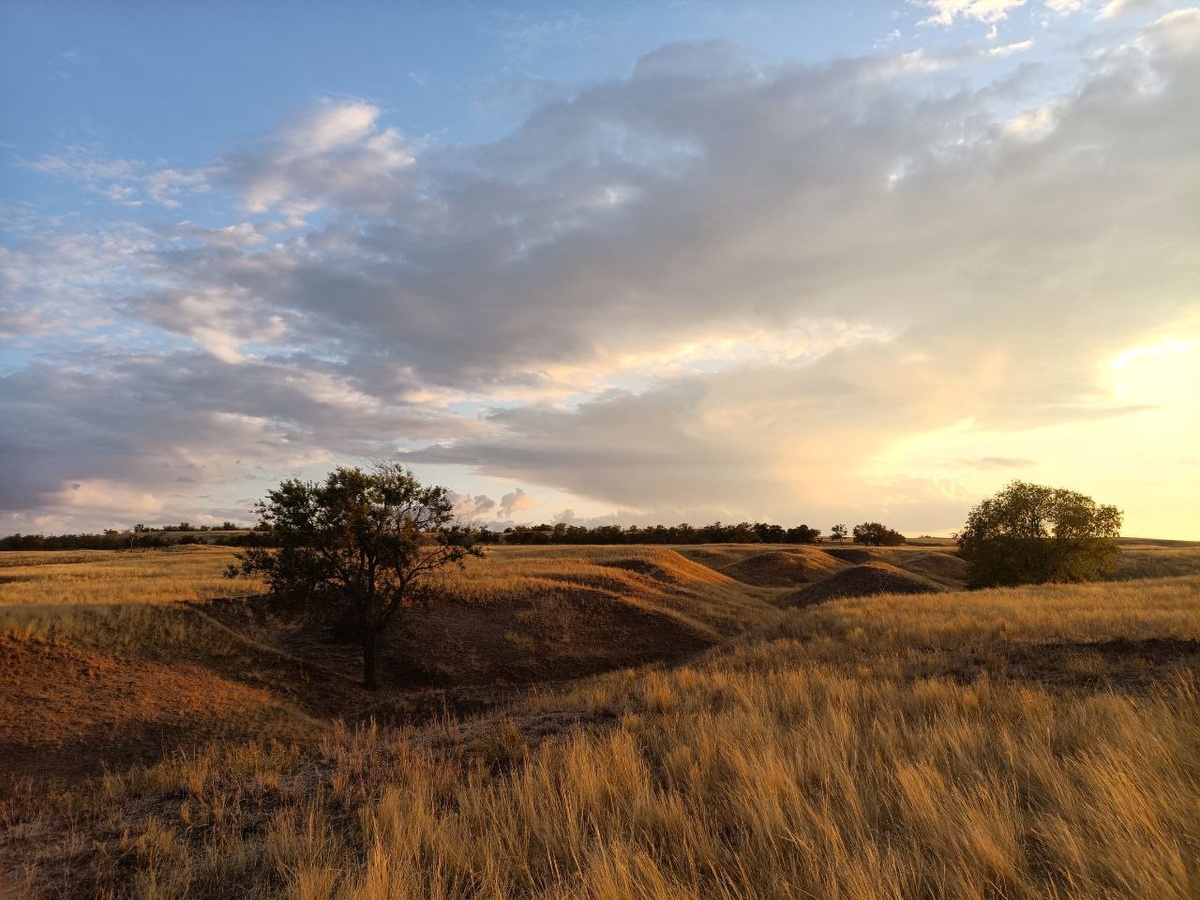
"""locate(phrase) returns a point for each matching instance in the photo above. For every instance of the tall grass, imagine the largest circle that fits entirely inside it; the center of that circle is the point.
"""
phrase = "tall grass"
(813, 760)
(75, 578)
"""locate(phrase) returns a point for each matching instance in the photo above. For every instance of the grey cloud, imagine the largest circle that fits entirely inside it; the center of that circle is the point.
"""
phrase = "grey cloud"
(679, 201)
(1006, 244)
(162, 419)
(470, 507)
(518, 95)
(784, 442)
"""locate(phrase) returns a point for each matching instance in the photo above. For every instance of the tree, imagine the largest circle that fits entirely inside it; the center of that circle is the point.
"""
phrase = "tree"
(1030, 534)
(373, 543)
(838, 533)
(802, 534)
(873, 533)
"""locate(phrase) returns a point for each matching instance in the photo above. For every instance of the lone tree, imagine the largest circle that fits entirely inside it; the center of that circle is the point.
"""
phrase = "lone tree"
(838, 533)
(1030, 534)
(372, 542)
(873, 533)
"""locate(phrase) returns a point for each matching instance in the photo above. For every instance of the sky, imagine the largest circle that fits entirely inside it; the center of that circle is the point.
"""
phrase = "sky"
(601, 262)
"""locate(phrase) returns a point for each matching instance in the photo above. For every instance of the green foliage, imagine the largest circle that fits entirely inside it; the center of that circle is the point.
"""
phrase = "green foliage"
(1030, 534)
(877, 535)
(372, 542)
(838, 533)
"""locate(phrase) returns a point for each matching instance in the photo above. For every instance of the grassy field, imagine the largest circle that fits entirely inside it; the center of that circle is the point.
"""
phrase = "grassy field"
(1037, 742)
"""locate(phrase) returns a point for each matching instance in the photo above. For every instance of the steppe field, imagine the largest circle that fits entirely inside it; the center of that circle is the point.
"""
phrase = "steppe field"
(708, 721)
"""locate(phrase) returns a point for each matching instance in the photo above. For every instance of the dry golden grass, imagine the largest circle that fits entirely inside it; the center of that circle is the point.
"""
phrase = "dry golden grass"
(903, 747)
(94, 596)
(126, 603)
(654, 578)
(103, 599)
(1133, 610)
(1145, 560)
(78, 577)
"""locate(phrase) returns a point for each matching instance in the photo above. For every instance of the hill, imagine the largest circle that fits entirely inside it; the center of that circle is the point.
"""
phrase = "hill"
(862, 581)
(1017, 743)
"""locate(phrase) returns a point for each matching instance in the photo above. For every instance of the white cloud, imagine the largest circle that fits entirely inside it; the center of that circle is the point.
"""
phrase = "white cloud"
(126, 182)
(334, 153)
(98, 495)
(1033, 124)
(1010, 49)
(515, 501)
(946, 12)
(1116, 8)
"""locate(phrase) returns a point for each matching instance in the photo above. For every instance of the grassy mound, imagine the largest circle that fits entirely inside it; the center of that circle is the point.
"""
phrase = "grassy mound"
(69, 712)
(785, 568)
(863, 581)
(944, 568)
(855, 555)
(525, 615)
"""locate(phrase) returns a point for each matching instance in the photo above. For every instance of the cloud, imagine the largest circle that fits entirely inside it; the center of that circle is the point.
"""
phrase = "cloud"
(180, 424)
(946, 12)
(715, 288)
(1010, 49)
(1116, 8)
(472, 508)
(332, 153)
(514, 502)
(125, 182)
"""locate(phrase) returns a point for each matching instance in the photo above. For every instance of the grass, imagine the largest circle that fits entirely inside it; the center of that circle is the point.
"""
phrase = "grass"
(1146, 560)
(652, 578)
(1035, 742)
(81, 577)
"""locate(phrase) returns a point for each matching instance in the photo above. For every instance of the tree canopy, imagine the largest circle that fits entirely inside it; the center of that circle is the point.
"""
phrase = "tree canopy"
(374, 542)
(875, 534)
(1030, 534)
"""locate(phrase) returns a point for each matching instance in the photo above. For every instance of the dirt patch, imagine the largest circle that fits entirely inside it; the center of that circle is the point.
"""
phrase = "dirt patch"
(862, 581)
(67, 712)
(784, 568)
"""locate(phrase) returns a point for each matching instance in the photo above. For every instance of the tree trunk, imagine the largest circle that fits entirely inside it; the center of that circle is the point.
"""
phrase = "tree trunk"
(368, 648)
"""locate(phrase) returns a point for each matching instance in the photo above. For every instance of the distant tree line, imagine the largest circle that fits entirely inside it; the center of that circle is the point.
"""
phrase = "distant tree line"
(144, 539)
(716, 533)
(141, 537)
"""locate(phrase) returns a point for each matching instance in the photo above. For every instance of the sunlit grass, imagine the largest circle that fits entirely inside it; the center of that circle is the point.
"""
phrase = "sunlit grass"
(862, 748)
(73, 577)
